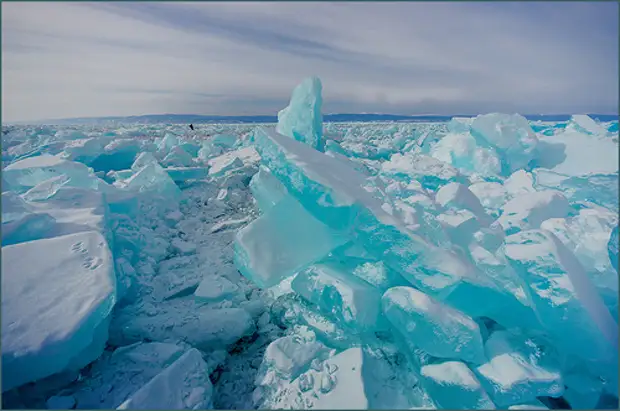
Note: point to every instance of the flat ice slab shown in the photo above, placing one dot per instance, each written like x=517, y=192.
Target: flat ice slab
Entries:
x=55, y=293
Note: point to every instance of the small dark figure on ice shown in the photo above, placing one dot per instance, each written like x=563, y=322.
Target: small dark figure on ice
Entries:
x=191, y=126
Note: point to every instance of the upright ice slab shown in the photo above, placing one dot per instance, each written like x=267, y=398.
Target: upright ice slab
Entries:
x=302, y=119
x=266, y=189
x=56, y=296
x=587, y=235
x=563, y=296
x=281, y=242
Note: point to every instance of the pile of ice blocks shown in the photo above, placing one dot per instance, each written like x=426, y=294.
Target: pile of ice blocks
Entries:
x=475, y=271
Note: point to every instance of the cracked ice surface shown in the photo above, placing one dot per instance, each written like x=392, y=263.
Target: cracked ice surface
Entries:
x=467, y=264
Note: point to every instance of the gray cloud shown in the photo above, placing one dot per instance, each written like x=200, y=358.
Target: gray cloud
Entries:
x=99, y=59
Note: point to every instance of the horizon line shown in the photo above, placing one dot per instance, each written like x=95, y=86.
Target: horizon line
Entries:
x=272, y=116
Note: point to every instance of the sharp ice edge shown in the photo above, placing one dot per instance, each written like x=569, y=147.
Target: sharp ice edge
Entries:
x=468, y=264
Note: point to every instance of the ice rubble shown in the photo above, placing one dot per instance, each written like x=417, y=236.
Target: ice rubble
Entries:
x=405, y=265
x=438, y=316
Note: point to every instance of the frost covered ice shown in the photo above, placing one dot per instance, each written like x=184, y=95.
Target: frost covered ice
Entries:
x=468, y=264
x=57, y=295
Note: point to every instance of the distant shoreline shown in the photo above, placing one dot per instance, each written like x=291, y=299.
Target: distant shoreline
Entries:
x=328, y=118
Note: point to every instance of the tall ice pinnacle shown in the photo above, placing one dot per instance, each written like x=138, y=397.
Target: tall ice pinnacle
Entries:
x=302, y=119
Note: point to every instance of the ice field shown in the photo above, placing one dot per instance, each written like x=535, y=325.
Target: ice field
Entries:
x=469, y=264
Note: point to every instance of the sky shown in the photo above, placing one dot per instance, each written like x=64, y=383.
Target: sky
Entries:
x=66, y=60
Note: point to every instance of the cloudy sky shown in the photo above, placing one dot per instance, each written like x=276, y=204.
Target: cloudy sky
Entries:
x=64, y=60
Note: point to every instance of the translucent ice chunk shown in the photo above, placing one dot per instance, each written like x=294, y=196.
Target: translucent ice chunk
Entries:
x=191, y=148
x=566, y=301
x=510, y=135
x=518, y=371
x=273, y=247
x=528, y=211
x=209, y=150
x=338, y=195
x=25, y=174
x=460, y=124
x=227, y=163
x=587, y=235
x=233, y=159
x=153, y=180
x=143, y=160
x=177, y=157
x=183, y=385
x=302, y=119
x=440, y=330
x=500, y=287
x=334, y=147
x=455, y=149
x=341, y=295
x=461, y=151
x=224, y=140
x=117, y=155
x=53, y=304
x=85, y=150
x=266, y=189
x=168, y=142
x=452, y=384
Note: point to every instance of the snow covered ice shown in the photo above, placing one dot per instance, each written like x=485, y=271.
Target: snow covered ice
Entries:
x=468, y=264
